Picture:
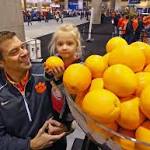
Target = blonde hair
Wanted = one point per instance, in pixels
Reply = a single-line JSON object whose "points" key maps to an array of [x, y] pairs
{"points": [[71, 29]]}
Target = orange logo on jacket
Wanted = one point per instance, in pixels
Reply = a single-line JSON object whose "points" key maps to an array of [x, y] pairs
{"points": [[40, 87]]}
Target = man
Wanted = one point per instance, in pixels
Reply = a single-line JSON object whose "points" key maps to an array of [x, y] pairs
{"points": [[25, 107]]}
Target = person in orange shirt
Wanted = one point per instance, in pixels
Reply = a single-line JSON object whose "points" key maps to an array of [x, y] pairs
{"points": [[123, 26], [135, 23], [138, 31], [129, 31]]}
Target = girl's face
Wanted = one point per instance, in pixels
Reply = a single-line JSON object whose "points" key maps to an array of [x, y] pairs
{"points": [[66, 46]]}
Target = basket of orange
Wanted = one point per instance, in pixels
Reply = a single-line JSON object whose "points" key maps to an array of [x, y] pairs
{"points": [[109, 96]]}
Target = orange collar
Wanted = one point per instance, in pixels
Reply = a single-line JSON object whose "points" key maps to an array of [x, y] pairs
{"points": [[20, 85]]}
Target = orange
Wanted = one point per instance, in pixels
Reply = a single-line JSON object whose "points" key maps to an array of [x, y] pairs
{"points": [[128, 55], [106, 58], [96, 64], [145, 101], [130, 116], [120, 79], [97, 129], [143, 134], [127, 98], [102, 105], [143, 79], [115, 42], [54, 61], [125, 143], [147, 68], [79, 98], [145, 48], [96, 84], [77, 78]]}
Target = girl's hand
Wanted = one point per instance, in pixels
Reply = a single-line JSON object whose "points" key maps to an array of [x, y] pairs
{"points": [[56, 71]]}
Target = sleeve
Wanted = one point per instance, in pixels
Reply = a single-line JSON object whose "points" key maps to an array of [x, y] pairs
{"points": [[9, 142]]}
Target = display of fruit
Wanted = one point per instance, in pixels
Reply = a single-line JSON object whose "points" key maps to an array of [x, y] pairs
{"points": [[115, 89]]}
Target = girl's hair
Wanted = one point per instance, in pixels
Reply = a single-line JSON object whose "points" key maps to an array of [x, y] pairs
{"points": [[71, 29]]}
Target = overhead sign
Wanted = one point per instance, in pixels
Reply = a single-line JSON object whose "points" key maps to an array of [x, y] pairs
{"points": [[133, 1]]}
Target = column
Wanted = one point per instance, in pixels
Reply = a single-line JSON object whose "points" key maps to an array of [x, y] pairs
{"points": [[80, 4], [39, 5], [96, 4], [112, 4], [66, 4], [11, 17]]}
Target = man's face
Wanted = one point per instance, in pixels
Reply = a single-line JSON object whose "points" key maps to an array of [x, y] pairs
{"points": [[15, 56]]}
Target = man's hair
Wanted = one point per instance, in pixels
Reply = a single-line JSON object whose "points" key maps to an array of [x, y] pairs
{"points": [[5, 35]]}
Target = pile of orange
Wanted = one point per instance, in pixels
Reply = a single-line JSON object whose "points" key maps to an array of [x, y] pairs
{"points": [[115, 88]]}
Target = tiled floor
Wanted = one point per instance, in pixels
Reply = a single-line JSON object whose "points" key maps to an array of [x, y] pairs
{"points": [[38, 29]]}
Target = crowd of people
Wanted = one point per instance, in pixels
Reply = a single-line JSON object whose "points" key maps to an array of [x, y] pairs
{"points": [[131, 27], [57, 14]]}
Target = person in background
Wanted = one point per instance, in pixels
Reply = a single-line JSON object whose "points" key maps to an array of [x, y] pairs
{"points": [[57, 16], [139, 29], [116, 20], [29, 18], [129, 31], [26, 115], [61, 16]]}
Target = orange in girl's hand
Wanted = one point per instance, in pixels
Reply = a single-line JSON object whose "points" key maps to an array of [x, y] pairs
{"points": [[54, 61]]}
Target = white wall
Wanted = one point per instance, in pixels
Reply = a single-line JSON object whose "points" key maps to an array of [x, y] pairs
{"points": [[11, 17]]}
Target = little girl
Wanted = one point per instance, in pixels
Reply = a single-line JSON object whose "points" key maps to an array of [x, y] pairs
{"points": [[66, 44]]}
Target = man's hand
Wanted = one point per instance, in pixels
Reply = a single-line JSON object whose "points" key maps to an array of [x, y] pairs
{"points": [[43, 139], [56, 128]]}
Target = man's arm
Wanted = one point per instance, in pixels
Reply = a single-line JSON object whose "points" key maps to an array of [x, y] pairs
{"points": [[8, 142], [40, 141]]}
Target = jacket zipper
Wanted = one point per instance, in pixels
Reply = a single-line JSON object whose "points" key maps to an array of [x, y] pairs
{"points": [[26, 104], [27, 108]]}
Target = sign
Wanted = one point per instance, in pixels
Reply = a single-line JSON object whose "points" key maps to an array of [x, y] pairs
{"points": [[133, 1]]}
